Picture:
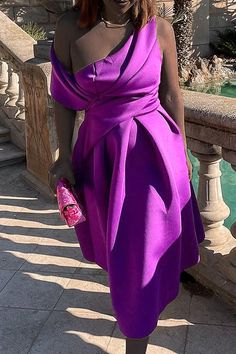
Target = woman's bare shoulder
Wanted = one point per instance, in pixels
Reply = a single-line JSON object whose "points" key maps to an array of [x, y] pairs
{"points": [[165, 32], [67, 23], [66, 29], [164, 27]]}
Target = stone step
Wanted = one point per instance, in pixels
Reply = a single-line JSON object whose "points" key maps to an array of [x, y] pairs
{"points": [[10, 154], [4, 134]]}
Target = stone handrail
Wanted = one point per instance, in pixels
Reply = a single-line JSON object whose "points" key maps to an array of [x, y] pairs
{"points": [[210, 123], [25, 105]]}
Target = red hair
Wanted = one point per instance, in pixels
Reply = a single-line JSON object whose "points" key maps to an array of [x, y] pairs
{"points": [[141, 12]]}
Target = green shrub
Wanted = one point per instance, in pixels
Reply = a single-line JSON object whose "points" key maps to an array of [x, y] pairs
{"points": [[226, 44], [34, 30]]}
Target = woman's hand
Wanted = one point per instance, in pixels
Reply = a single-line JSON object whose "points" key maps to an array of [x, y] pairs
{"points": [[62, 167]]}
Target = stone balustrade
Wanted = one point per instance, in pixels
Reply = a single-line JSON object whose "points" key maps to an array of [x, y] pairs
{"points": [[25, 105], [211, 136], [16, 47]]}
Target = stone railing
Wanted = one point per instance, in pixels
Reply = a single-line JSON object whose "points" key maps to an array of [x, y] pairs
{"points": [[211, 136], [25, 105], [16, 47]]}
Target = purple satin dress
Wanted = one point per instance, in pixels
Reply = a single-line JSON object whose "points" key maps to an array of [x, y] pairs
{"points": [[143, 223]]}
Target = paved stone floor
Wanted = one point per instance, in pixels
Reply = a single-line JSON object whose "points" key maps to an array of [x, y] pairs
{"points": [[53, 301]]}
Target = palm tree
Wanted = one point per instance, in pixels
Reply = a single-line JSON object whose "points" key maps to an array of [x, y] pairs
{"points": [[183, 33]]}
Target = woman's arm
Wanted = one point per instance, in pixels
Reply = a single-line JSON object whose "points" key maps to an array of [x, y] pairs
{"points": [[64, 117], [169, 91]]}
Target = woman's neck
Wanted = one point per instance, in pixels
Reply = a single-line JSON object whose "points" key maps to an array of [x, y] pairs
{"points": [[111, 15]]}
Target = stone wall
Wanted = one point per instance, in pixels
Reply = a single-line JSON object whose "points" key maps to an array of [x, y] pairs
{"points": [[24, 11], [209, 16], [222, 16]]}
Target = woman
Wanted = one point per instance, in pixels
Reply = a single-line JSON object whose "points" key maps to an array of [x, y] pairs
{"points": [[117, 60]]}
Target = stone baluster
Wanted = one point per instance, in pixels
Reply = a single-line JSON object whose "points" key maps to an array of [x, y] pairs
{"points": [[3, 81], [20, 103], [211, 204], [12, 91]]}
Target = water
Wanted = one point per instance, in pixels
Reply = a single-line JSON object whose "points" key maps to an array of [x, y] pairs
{"points": [[228, 88]]}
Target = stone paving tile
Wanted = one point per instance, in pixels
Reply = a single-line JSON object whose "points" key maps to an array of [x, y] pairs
{"points": [[44, 202], [10, 211], [18, 329], [59, 236], [5, 276], [54, 275], [57, 251], [28, 213], [16, 247], [86, 292], [17, 189], [11, 260], [29, 225], [15, 193], [211, 311], [73, 332], [44, 230], [32, 290], [10, 173], [10, 207], [179, 307], [87, 267], [19, 239], [209, 339], [38, 208], [167, 338], [15, 250], [41, 204], [40, 247], [56, 259]]}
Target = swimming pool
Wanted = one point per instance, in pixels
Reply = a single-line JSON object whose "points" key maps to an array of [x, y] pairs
{"points": [[228, 88]]}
